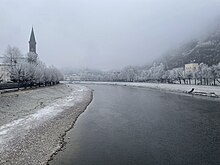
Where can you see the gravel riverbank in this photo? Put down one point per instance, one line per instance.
(33, 122)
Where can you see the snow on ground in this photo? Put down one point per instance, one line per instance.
(17, 105)
(9, 131)
(32, 138)
(213, 91)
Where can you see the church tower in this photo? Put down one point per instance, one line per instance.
(32, 42)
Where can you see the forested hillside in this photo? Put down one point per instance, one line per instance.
(202, 51)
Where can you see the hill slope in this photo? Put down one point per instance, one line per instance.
(201, 51)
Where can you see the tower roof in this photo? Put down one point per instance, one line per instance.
(32, 38)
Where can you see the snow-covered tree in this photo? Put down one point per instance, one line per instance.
(32, 57)
(17, 72)
(166, 76)
(214, 73)
(30, 70)
(179, 73)
(13, 58)
(144, 75)
(39, 73)
(12, 55)
(130, 73)
(158, 72)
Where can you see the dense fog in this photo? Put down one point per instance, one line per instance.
(104, 34)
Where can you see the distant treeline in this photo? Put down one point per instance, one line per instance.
(201, 75)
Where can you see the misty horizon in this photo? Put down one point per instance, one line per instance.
(104, 35)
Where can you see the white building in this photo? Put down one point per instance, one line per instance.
(191, 67)
(72, 77)
(4, 71)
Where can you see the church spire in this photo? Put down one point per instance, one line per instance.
(32, 42)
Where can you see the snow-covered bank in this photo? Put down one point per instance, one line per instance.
(211, 91)
(35, 131)
(16, 105)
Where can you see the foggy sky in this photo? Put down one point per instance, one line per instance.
(103, 34)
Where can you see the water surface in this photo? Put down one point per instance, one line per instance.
(126, 126)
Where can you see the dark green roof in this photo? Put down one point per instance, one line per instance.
(32, 38)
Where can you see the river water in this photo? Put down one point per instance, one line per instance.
(137, 126)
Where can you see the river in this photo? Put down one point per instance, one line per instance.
(138, 126)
